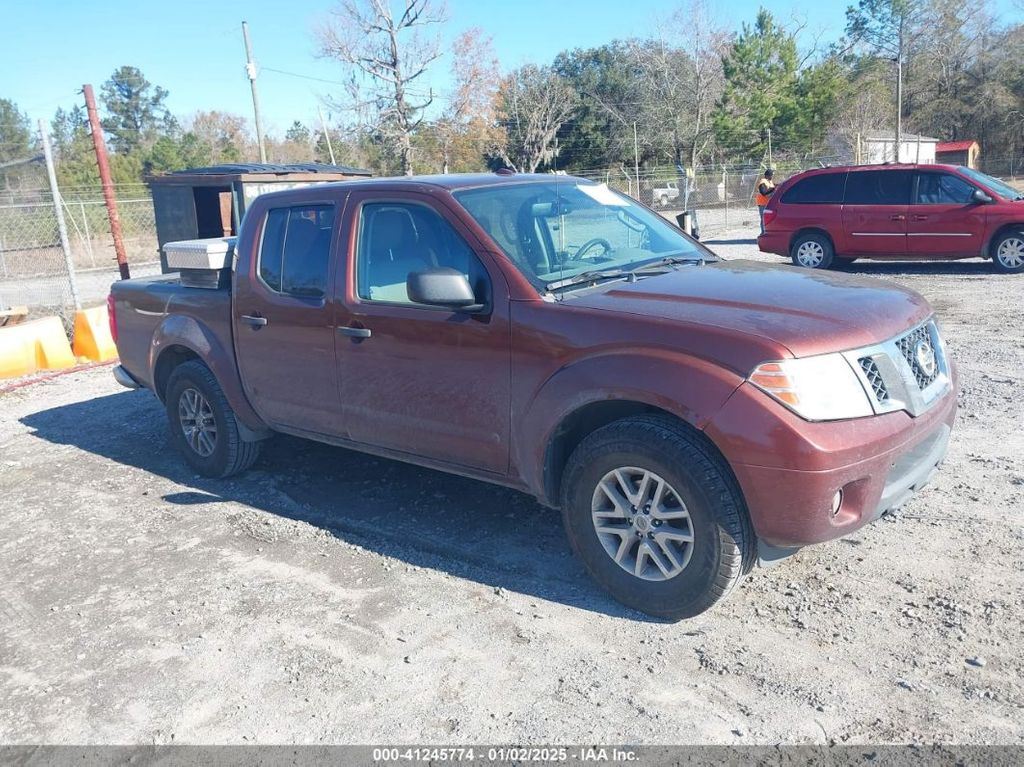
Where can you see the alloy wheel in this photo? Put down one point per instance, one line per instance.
(197, 422)
(1011, 253)
(642, 523)
(810, 254)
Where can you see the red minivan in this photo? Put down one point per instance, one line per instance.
(828, 217)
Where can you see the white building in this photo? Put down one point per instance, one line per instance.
(876, 148)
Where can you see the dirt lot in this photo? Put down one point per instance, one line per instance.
(327, 596)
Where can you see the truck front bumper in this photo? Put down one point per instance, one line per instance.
(850, 472)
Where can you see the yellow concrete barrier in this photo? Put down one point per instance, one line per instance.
(36, 345)
(92, 335)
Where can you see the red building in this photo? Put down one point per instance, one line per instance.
(958, 152)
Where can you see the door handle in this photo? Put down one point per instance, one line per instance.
(920, 218)
(355, 332)
(254, 321)
(898, 217)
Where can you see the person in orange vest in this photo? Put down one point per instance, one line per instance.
(763, 190)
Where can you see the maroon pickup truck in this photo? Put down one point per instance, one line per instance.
(690, 416)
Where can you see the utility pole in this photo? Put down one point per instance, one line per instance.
(250, 70)
(58, 209)
(327, 133)
(899, 101)
(769, 130)
(100, 146)
(636, 160)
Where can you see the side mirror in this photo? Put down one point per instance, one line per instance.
(442, 287)
(981, 197)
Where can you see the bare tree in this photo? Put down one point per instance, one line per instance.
(386, 52)
(865, 107)
(534, 103)
(889, 28)
(682, 78)
(467, 127)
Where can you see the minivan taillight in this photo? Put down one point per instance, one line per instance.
(769, 216)
(112, 316)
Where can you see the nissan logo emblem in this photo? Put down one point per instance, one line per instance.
(925, 356)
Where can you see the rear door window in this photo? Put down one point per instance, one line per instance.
(820, 189)
(942, 189)
(295, 251)
(878, 187)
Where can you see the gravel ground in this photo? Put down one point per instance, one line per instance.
(328, 596)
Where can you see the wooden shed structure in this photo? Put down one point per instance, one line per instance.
(211, 202)
(964, 153)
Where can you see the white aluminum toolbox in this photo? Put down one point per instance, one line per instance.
(215, 253)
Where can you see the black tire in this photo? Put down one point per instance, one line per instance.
(1008, 263)
(230, 453)
(723, 541)
(812, 251)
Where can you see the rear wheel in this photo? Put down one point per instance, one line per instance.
(1008, 253)
(202, 424)
(656, 517)
(812, 251)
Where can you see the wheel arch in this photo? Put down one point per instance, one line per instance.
(580, 423)
(169, 358)
(1003, 229)
(179, 339)
(812, 230)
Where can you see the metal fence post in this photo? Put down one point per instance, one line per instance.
(62, 228)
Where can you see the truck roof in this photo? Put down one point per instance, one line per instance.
(431, 183)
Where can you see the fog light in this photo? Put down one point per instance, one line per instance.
(837, 501)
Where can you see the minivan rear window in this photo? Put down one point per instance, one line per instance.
(878, 187)
(819, 189)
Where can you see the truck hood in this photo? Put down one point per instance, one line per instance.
(808, 312)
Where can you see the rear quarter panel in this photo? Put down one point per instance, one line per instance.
(158, 314)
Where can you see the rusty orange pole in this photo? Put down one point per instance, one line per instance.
(108, 185)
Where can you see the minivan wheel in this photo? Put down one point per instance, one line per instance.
(203, 426)
(812, 251)
(656, 517)
(1008, 253)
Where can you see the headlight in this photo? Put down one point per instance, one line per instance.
(822, 388)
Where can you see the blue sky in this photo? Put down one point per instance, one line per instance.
(194, 48)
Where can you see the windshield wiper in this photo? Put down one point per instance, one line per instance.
(592, 275)
(670, 261)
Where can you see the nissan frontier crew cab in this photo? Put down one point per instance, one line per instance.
(689, 416)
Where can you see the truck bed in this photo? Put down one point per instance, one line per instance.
(145, 304)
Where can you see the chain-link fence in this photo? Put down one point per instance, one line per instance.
(722, 198)
(33, 270)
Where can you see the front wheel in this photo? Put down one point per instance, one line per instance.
(656, 517)
(1008, 253)
(812, 251)
(203, 425)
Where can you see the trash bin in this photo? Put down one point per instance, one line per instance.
(687, 221)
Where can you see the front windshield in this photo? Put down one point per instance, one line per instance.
(997, 186)
(558, 229)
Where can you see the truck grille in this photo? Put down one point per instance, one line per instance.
(874, 376)
(918, 348)
(908, 372)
